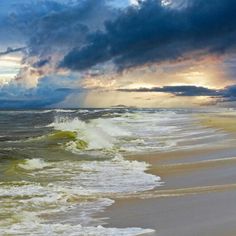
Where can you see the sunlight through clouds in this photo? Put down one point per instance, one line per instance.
(9, 68)
(69, 46)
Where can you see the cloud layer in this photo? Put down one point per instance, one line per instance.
(152, 33)
(62, 39)
(224, 95)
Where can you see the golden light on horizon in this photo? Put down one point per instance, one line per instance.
(208, 73)
(139, 85)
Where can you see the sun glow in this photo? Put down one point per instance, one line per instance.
(9, 68)
(139, 85)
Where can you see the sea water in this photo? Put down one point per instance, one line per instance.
(58, 168)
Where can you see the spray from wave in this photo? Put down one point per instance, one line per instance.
(69, 165)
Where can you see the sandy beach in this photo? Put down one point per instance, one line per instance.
(153, 172)
(198, 194)
(117, 117)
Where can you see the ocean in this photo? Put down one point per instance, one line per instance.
(59, 168)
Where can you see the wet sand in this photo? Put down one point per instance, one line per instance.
(225, 121)
(198, 196)
(198, 215)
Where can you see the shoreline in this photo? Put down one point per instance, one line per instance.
(197, 198)
(182, 195)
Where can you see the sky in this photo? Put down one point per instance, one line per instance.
(103, 53)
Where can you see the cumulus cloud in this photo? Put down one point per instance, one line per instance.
(66, 26)
(51, 28)
(59, 37)
(152, 33)
(82, 34)
(86, 33)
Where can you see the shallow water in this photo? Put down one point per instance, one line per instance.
(58, 168)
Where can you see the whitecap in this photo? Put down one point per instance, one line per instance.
(33, 164)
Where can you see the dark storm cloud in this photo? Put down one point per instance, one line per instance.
(179, 90)
(151, 33)
(85, 33)
(12, 50)
(58, 29)
(15, 96)
(33, 102)
(18, 19)
(229, 94)
(41, 63)
(49, 27)
(221, 95)
(66, 26)
(35, 98)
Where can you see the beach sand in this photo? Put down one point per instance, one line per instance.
(198, 196)
(198, 215)
(225, 121)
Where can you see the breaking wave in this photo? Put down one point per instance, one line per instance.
(73, 168)
(33, 164)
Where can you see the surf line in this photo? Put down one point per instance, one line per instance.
(179, 192)
(151, 194)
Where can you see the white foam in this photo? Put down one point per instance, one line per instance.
(64, 110)
(19, 191)
(156, 130)
(73, 181)
(72, 230)
(49, 200)
(116, 176)
(110, 128)
(33, 164)
(99, 134)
